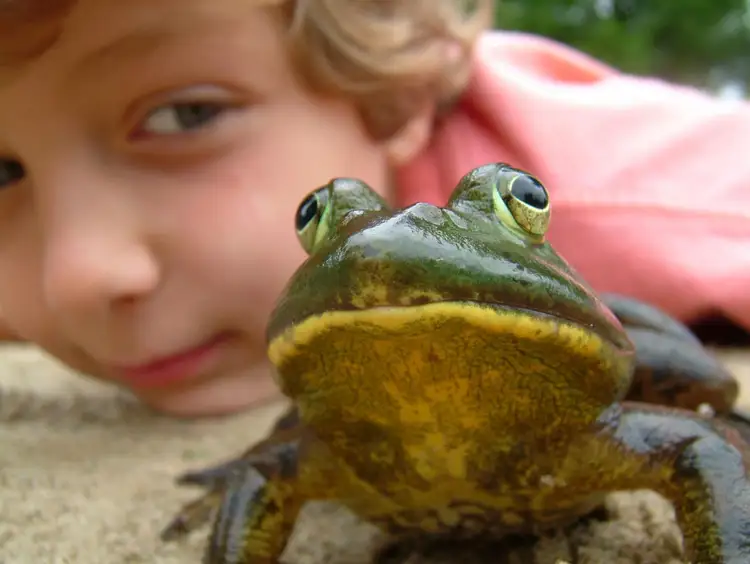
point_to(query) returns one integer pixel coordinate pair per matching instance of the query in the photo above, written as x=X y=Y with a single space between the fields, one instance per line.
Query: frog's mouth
x=452 y=351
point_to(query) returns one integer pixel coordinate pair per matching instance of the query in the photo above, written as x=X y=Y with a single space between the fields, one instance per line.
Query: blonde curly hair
x=391 y=57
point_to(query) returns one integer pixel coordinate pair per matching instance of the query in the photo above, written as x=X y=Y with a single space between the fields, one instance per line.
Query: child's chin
x=226 y=395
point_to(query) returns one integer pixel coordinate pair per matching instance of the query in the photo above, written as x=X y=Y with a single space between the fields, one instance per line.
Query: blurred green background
x=705 y=43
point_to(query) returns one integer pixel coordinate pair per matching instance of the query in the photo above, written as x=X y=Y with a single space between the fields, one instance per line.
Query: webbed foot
x=219 y=479
x=709 y=482
x=215 y=476
x=256 y=514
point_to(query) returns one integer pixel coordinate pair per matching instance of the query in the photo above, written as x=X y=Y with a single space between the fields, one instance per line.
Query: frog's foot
x=215 y=476
x=672 y=365
x=268 y=454
x=193 y=515
x=256 y=516
x=709 y=482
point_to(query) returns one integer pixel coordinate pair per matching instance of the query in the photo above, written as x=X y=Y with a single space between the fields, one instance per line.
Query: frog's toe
x=199 y=512
x=193 y=515
x=286 y=427
x=217 y=480
x=213 y=476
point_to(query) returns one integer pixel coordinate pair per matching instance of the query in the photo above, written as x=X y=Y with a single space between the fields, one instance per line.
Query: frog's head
x=393 y=309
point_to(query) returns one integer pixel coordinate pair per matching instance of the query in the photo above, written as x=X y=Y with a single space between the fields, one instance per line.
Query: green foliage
x=695 y=41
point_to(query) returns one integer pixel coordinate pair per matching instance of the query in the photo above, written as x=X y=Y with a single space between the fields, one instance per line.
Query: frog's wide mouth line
x=501 y=320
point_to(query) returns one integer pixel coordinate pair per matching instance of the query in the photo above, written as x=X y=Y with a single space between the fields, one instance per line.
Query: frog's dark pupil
x=530 y=191
x=306 y=212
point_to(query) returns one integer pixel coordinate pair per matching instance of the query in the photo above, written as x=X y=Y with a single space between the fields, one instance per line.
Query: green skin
x=449 y=445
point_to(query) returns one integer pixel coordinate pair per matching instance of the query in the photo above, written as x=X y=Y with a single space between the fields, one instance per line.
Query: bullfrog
x=452 y=376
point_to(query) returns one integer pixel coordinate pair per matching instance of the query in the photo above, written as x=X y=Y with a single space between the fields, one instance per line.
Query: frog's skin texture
x=453 y=377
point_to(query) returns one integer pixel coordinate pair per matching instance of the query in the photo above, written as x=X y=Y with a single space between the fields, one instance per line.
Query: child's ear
x=412 y=138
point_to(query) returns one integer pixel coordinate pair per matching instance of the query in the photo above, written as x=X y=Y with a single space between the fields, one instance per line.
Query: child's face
x=151 y=162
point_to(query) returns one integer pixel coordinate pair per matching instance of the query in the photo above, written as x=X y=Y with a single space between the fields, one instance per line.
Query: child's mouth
x=170 y=369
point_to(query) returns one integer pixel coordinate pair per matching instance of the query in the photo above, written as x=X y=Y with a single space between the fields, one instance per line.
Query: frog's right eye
x=310 y=221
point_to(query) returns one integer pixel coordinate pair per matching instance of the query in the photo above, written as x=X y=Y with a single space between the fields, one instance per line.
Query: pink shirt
x=649 y=181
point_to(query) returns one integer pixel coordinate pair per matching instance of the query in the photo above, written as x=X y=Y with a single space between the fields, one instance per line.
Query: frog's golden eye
x=310 y=218
x=521 y=201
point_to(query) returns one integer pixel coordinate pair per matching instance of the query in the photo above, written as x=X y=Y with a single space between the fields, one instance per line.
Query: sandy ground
x=86 y=477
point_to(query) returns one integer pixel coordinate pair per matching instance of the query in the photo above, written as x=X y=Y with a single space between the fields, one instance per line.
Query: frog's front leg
x=214 y=476
x=257 y=513
x=672 y=365
x=709 y=483
x=282 y=440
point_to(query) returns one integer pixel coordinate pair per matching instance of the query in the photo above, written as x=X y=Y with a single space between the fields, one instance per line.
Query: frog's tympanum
x=453 y=377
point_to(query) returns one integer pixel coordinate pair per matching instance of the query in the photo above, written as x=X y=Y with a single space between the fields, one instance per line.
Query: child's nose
x=95 y=251
x=96 y=272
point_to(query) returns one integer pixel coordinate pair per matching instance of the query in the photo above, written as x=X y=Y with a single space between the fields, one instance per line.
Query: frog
x=451 y=376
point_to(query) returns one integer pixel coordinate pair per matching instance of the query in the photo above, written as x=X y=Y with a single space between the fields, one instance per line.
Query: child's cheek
x=242 y=246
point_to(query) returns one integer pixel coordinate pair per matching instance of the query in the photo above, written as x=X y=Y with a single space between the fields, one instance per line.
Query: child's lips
x=173 y=368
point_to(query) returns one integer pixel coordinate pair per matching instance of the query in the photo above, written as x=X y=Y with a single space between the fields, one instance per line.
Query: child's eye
x=10 y=172
x=172 y=119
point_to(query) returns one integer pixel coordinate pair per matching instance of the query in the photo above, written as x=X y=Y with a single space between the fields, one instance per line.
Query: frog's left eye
x=521 y=201
x=310 y=218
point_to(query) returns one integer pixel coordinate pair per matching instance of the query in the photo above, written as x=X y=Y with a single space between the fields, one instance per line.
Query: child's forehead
x=29 y=27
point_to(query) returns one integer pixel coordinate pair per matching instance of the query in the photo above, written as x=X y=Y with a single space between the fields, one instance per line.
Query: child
x=153 y=152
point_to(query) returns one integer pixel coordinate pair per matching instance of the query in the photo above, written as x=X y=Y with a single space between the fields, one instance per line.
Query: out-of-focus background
x=704 y=43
